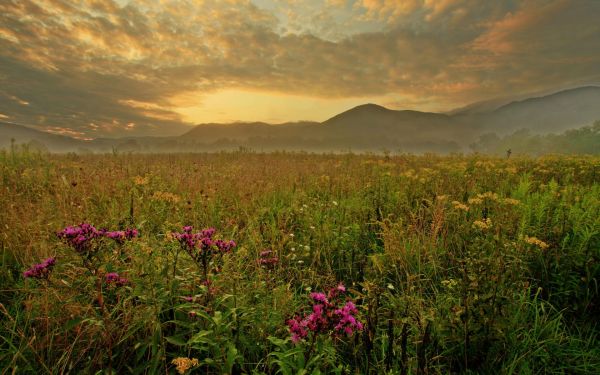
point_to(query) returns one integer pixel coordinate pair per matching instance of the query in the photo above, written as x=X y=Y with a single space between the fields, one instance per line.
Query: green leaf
x=72 y=323
x=176 y=340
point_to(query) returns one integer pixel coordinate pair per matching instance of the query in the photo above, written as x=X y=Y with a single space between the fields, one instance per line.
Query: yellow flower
x=183 y=364
x=139 y=180
x=537 y=242
x=483 y=224
x=460 y=206
x=165 y=197
x=488 y=195
x=511 y=201
x=475 y=201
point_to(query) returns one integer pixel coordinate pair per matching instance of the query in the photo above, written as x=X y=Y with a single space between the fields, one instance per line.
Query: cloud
x=97 y=67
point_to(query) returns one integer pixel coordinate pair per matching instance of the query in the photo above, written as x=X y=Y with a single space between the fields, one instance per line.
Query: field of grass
x=427 y=264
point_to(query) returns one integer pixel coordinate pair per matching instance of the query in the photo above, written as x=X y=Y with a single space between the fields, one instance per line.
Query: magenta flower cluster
x=41 y=270
x=328 y=314
x=80 y=237
x=122 y=235
x=202 y=243
x=267 y=258
x=113 y=278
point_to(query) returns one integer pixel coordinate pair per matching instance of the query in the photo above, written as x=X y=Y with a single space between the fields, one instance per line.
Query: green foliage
x=585 y=140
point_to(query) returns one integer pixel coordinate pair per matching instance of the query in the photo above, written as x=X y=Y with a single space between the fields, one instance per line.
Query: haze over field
x=439 y=74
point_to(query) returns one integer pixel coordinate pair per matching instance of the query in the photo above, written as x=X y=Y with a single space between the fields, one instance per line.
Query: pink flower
x=113 y=278
x=41 y=270
x=327 y=316
x=319 y=297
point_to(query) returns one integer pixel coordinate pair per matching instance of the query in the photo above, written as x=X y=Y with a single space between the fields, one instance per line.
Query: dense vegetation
x=340 y=264
x=585 y=140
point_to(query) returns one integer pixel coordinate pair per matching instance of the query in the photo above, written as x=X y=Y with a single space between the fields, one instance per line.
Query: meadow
x=294 y=263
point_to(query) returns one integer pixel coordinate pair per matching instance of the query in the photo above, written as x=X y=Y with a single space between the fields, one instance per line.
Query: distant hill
x=23 y=135
x=558 y=112
x=367 y=127
x=371 y=126
x=370 y=119
x=243 y=130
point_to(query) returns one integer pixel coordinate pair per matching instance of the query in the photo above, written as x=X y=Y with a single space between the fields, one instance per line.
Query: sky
x=104 y=68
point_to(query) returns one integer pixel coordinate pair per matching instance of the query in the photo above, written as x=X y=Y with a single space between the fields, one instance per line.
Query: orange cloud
x=93 y=61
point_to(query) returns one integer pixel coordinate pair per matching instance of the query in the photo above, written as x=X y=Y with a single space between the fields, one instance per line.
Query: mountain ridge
x=365 y=127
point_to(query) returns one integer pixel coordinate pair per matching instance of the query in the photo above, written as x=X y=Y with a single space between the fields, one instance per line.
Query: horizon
x=123 y=68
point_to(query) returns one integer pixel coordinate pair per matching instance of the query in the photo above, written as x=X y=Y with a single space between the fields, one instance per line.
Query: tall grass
x=461 y=264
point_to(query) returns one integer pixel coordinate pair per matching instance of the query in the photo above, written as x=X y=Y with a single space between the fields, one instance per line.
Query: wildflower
x=319 y=297
x=483 y=224
x=267 y=259
x=79 y=236
x=41 y=270
x=347 y=320
x=475 y=201
x=122 y=235
x=511 y=201
x=182 y=364
x=460 y=206
x=488 y=195
x=139 y=180
x=537 y=242
x=327 y=315
x=202 y=244
x=113 y=278
x=297 y=328
x=165 y=197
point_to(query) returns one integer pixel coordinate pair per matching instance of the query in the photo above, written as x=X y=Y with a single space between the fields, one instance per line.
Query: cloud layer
x=110 y=68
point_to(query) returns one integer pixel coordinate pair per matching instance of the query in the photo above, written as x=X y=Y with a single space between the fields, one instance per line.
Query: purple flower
x=298 y=329
x=266 y=258
x=319 y=297
x=41 y=270
x=326 y=316
x=113 y=278
x=122 y=235
x=347 y=320
x=79 y=236
x=197 y=244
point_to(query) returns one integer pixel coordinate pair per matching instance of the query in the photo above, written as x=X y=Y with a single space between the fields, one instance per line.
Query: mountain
x=367 y=127
x=243 y=130
x=553 y=113
x=371 y=119
x=37 y=139
x=373 y=127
